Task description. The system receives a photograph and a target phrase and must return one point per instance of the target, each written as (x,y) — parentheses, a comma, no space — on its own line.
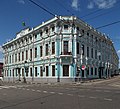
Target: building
(59,50)
(1,69)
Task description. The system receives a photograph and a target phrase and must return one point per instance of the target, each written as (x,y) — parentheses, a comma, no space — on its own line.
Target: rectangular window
(65,27)
(40,51)
(65,47)
(27,71)
(41,71)
(41,33)
(53,28)
(91,52)
(23,56)
(30,38)
(87,51)
(65,70)
(15,57)
(88,71)
(83,49)
(53,70)
(13,72)
(78,28)
(26,54)
(95,54)
(10,72)
(26,41)
(10,59)
(16,73)
(19,56)
(35,36)
(35,71)
(46,31)
(87,34)
(36,52)
(31,54)
(46,70)
(83,31)
(78,47)
(95,71)
(22,72)
(46,49)
(91,70)
(53,47)
(31,72)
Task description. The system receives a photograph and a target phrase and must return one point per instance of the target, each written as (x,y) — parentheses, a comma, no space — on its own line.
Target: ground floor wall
(54,72)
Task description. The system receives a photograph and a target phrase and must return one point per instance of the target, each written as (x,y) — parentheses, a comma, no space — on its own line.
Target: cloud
(101,4)
(21,2)
(75,5)
(90,5)
(118,52)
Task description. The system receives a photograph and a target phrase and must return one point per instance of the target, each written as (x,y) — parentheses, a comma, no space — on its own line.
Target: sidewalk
(82,82)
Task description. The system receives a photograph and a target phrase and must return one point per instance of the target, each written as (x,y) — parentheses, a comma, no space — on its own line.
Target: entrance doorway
(83,74)
(65,70)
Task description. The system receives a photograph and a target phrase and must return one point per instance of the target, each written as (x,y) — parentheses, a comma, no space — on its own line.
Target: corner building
(63,49)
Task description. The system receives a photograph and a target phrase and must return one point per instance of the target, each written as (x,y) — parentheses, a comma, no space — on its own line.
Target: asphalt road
(99,95)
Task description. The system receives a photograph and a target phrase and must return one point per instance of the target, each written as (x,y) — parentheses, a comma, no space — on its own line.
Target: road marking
(38,91)
(81,96)
(67,88)
(4,87)
(70,94)
(12,86)
(52,92)
(28,89)
(19,88)
(98,90)
(4,94)
(45,91)
(33,90)
(107,91)
(92,97)
(60,93)
(23,88)
(117,92)
(107,99)
(81,89)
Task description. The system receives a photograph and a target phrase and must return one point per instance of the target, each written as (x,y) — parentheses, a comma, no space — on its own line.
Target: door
(65,70)
(99,72)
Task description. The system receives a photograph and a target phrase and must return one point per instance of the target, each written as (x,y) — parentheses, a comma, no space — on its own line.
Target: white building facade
(62,49)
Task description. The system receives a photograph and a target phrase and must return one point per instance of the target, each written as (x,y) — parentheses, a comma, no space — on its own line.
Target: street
(98,95)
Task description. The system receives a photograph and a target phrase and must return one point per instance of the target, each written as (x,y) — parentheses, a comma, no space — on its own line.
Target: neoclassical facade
(62,49)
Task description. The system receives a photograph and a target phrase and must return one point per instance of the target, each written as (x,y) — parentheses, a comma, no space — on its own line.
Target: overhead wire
(64,7)
(99,15)
(51,13)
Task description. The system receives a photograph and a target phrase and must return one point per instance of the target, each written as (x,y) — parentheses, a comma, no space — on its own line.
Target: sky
(94,12)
